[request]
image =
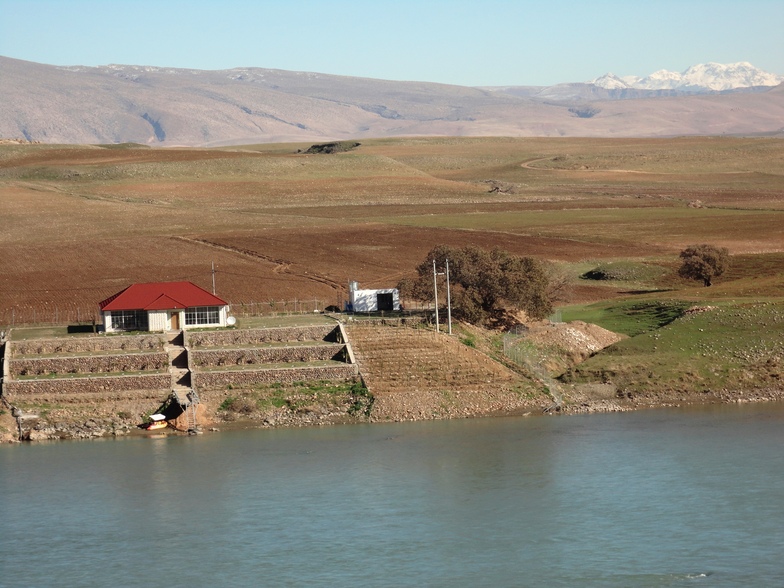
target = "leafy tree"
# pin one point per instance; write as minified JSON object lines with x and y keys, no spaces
{"x":483,"y":282}
{"x":704,"y":262}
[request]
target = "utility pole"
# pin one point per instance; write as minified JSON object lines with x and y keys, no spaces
{"x":448,"y":299}
{"x":213,"y":278}
{"x":435,"y":291}
{"x":448,"y":295}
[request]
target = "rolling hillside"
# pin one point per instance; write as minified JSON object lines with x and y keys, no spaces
{"x":168,"y":107}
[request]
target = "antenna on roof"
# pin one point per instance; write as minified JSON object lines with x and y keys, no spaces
{"x":213,"y":278}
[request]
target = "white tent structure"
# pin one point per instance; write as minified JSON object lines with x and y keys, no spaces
{"x":372,"y":300}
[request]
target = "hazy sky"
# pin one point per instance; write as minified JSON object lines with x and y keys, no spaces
{"x":487,"y":42}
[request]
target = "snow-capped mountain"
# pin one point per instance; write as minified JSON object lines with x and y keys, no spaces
{"x":704,"y":77}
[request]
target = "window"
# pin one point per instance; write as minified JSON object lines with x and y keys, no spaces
{"x":129,"y":320}
{"x":202,"y":315}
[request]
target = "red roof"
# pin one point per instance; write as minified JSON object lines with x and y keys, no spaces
{"x":161,"y":296}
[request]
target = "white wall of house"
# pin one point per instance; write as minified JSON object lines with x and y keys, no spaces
{"x":107,"y":321}
{"x":158,"y":320}
{"x":161,"y":320}
{"x":367,"y":300}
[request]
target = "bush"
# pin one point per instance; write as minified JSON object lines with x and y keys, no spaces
{"x":238,"y":405}
{"x":361,"y":400}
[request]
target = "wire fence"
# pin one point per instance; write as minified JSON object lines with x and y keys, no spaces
{"x":43,"y":315}
{"x":278,"y":307}
{"x":49,"y":315}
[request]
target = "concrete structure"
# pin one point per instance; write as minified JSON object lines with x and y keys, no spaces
{"x":163,"y":306}
{"x":372,"y":300}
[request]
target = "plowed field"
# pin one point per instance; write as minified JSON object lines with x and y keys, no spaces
{"x":79,"y":223}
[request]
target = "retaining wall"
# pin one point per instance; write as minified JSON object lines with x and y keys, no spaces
{"x":88,"y":385}
{"x":257,"y":336}
{"x":130,"y":362}
{"x":86,"y":344}
{"x":284,"y":375}
{"x":403,"y":321}
{"x":298,"y":354}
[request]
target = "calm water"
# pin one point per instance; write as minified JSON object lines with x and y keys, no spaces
{"x":655,"y":498}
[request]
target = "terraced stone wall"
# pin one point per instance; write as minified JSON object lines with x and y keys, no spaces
{"x":240,"y":378}
{"x":129,"y":343}
{"x":87,"y":385}
{"x":302,"y":353}
{"x":246,"y":337}
{"x":130,"y":362}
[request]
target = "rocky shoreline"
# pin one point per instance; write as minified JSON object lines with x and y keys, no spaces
{"x":577,"y":400}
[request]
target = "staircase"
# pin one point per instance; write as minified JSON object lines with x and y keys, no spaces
{"x":181,"y":388}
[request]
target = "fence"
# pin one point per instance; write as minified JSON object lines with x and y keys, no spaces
{"x":49,"y":314}
{"x":86,"y":314}
{"x":277,"y":307}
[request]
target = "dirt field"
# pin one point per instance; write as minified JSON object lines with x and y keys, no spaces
{"x":79,"y":223}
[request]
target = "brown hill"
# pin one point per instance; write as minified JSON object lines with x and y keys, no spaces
{"x":160,"y":106}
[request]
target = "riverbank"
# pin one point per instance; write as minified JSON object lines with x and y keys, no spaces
{"x":584,"y":399}
{"x":415,"y":374}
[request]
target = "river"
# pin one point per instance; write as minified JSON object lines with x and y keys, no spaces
{"x":687,"y":497}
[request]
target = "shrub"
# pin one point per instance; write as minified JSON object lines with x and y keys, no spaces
{"x":361,"y":400}
{"x":238,"y":405}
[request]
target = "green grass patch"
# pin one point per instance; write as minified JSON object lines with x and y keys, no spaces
{"x":628,"y":317}
{"x":730,"y":346}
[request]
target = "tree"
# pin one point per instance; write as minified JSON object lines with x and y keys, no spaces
{"x":704,"y":262}
{"x":483,"y":282}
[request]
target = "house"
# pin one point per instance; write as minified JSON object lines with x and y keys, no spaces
{"x":163,"y":306}
{"x":372,"y":300}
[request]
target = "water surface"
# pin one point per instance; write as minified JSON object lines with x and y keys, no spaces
{"x":653,"y":498}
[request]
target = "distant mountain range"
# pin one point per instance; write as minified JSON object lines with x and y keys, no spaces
{"x":167,"y":106}
{"x":702,"y":78}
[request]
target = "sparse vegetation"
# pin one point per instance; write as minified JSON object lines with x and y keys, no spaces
{"x":625,"y":271}
{"x":361,"y":400}
{"x":298,"y":397}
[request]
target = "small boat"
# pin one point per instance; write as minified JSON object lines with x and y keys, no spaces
{"x":157,"y":421}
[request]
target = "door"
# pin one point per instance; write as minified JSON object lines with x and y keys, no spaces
{"x":385,"y":301}
{"x":175,"y":321}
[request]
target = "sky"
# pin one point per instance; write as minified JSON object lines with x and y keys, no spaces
{"x":470,"y":43}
